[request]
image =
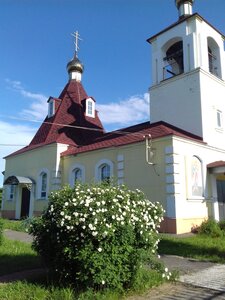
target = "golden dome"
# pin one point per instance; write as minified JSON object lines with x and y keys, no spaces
{"x":75,"y":65}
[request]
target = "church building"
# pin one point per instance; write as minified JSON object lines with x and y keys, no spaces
{"x":177,"y":158}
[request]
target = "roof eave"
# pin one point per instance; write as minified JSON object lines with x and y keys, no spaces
{"x":195,"y":15}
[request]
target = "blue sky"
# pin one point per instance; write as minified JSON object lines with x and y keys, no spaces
{"x":36,"y":45}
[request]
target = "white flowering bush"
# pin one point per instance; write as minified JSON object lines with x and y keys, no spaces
{"x":96,"y":236}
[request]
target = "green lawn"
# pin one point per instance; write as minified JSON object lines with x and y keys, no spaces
{"x":198,"y":246}
{"x":16,"y":256}
{"x":16,"y":225}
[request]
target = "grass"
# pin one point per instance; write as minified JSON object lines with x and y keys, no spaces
{"x":45,"y":289}
{"x":17,"y":256}
{"x":200,"y":247}
{"x":30,"y":291}
{"x":17,"y":225}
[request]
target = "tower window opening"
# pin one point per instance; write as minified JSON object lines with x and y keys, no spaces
{"x":219,"y":118}
{"x":175,"y":60}
{"x":212,"y":62}
{"x":214,"y":59}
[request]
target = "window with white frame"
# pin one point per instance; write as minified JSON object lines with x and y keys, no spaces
{"x":76,"y":174}
{"x":51,"y":108}
{"x":43,"y":184}
{"x":219,"y":119}
{"x":11,"y":190}
{"x":104,"y":170}
{"x":90,"y":108}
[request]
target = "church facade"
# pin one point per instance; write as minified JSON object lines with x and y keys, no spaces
{"x":177,"y":159}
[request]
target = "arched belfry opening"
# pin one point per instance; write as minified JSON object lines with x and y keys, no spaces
{"x":174,"y":60}
{"x":214,"y":57}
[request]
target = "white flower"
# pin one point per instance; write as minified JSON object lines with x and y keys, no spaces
{"x":94,"y":233}
{"x":166,"y":270}
{"x":99,"y":249}
{"x":103,"y":282}
{"x":62,"y":213}
{"x":66,"y":203}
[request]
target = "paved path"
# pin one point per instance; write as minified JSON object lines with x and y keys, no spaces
{"x":18,"y":236}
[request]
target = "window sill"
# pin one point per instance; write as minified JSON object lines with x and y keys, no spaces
{"x":196,"y":199}
{"x":219,"y":129}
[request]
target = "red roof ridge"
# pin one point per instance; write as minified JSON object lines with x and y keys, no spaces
{"x":132,"y":134}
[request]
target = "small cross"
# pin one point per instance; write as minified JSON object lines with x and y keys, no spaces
{"x":76,"y":42}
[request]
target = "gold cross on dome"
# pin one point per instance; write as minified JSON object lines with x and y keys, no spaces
{"x":76,"y":41}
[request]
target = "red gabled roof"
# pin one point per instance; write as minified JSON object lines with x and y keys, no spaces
{"x":216,"y":164}
{"x":131,"y":135}
{"x":71,"y":112}
{"x":65,"y":125}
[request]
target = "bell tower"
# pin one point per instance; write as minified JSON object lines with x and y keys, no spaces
{"x":188,"y":73}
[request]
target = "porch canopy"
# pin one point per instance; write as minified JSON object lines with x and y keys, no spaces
{"x":217,"y":167}
{"x":15,"y":180}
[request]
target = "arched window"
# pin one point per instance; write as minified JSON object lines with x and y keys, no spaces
{"x":174,"y":60}
{"x":104,"y":170}
{"x":76,"y":174}
{"x":214,"y":57}
{"x":196,"y":177}
{"x":90,"y":107}
{"x":43,"y":184}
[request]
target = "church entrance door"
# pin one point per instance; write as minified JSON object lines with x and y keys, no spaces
{"x":221,"y":198}
{"x":25,"y":203}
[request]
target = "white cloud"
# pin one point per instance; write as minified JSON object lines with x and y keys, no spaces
{"x":126,"y":112}
{"x":13,"y":134}
{"x":37,"y":109}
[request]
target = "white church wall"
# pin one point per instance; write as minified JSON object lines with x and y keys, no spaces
{"x":212,"y":98}
{"x":192,"y":210}
{"x":176,"y":101}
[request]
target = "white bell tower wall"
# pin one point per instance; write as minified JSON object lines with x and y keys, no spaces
{"x":188,"y":73}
